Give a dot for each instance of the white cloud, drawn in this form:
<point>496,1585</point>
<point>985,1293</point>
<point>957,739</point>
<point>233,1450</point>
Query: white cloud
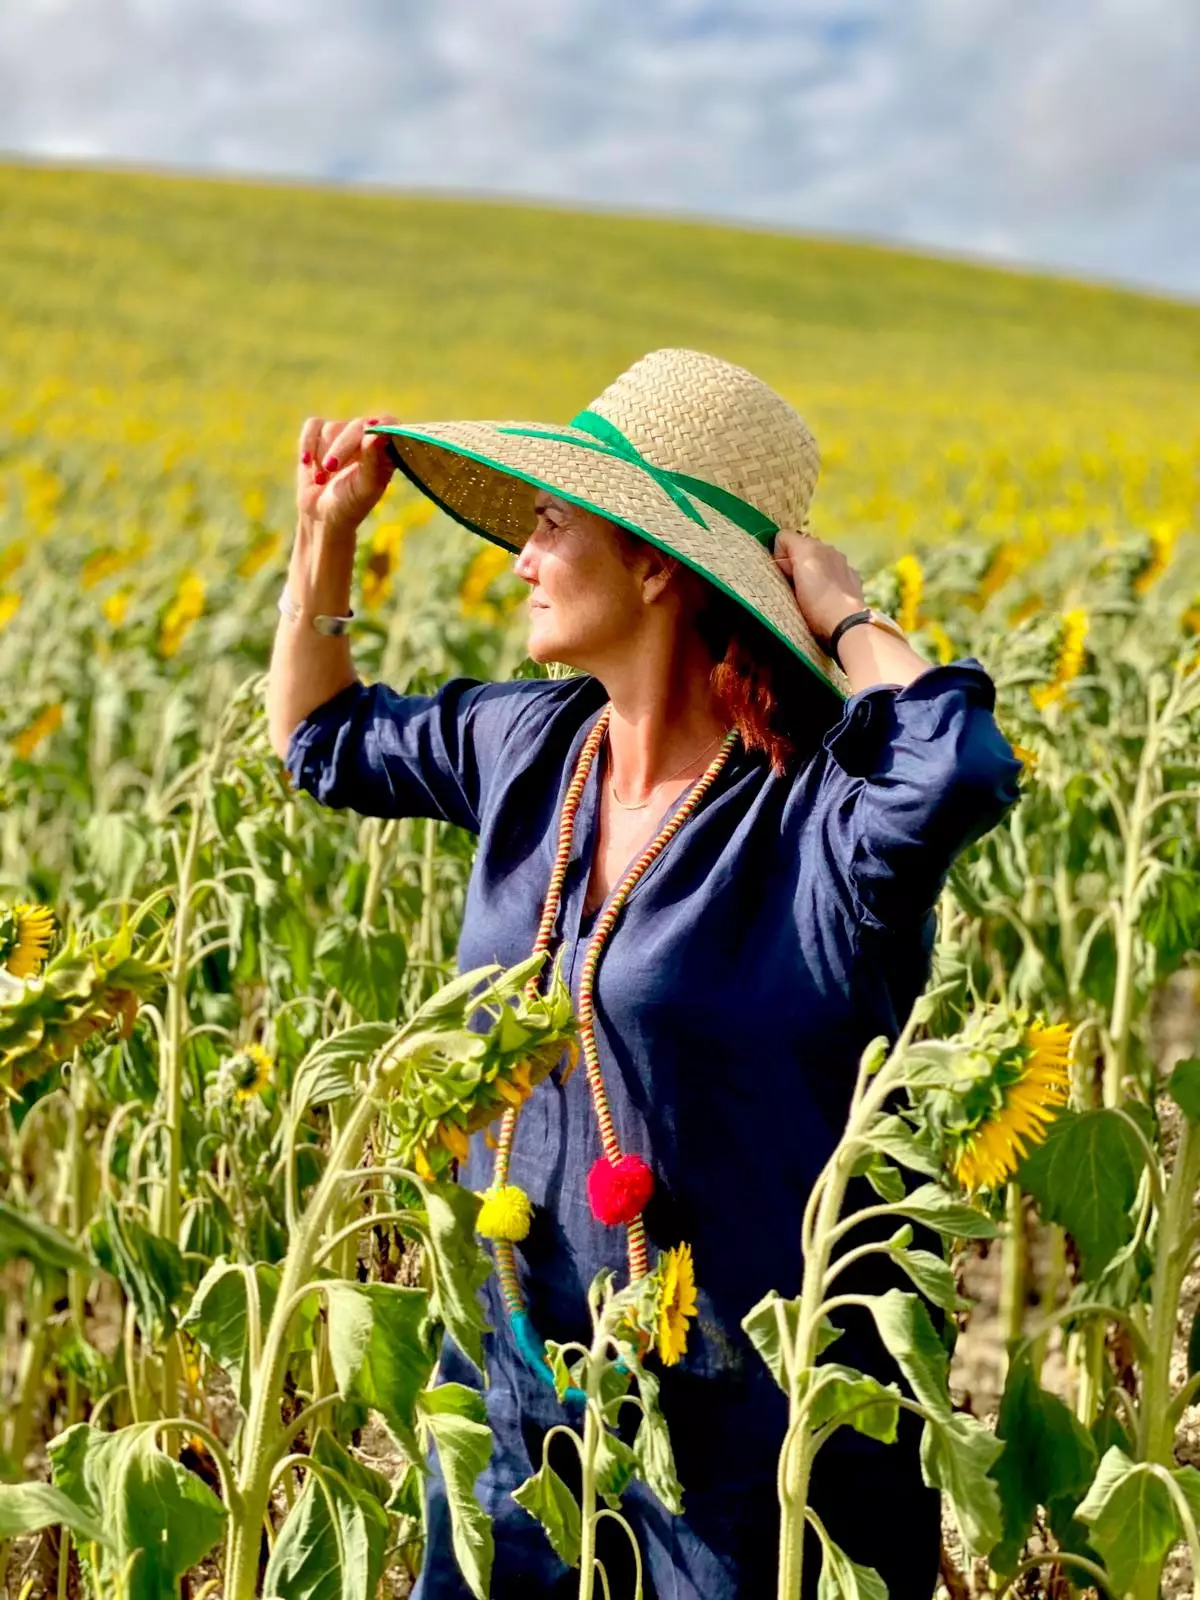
<point>1063,132</point>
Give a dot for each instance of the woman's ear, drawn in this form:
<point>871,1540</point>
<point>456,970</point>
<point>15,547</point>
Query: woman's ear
<point>660,575</point>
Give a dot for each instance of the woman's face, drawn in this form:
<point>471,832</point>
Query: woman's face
<point>586,602</point>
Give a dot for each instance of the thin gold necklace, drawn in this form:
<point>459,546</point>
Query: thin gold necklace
<point>642,804</point>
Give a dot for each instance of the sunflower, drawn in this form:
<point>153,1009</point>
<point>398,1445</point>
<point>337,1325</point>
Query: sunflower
<point>1070,660</point>
<point>942,642</point>
<point>1161,548</point>
<point>253,1070</point>
<point>27,741</point>
<point>912,585</point>
<point>491,562</point>
<point>187,605</point>
<point>1027,1089</point>
<point>25,934</point>
<point>677,1302</point>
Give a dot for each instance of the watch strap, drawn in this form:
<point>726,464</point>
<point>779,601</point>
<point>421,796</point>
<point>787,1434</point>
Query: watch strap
<point>868,614</point>
<point>830,645</point>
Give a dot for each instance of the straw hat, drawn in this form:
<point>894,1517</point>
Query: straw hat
<point>690,452</point>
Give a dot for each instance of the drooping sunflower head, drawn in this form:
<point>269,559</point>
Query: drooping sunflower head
<point>1071,657</point>
<point>25,933</point>
<point>1160,546</point>
<point>1009,1107</point>
<point>676,1280</point>
<point>252,1070</point>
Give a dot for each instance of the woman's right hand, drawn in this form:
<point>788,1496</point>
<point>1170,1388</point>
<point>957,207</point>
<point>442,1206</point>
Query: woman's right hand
<point>340,475</point>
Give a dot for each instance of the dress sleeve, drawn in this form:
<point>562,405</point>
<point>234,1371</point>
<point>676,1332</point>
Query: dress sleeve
<point>386,754</point>
<point>916,775</point>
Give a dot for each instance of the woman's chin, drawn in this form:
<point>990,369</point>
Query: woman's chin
<point>542,646</point>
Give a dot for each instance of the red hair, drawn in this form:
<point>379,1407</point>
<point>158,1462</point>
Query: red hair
<point>776,703</point>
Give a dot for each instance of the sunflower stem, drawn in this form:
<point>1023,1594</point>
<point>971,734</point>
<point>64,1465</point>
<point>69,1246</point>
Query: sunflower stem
<point>1014,1265</point>
<point>1117,1056</point>
<point>821,1233</point>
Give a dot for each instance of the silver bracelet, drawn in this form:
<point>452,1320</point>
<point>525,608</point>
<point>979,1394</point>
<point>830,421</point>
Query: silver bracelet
<point>323,623</point>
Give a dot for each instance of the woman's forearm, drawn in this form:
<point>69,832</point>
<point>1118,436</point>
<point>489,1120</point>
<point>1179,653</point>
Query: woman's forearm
<point>307,667</point>
<point>871,655</point>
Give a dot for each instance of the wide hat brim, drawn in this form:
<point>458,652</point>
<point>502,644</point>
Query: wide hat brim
<point>485,475</point>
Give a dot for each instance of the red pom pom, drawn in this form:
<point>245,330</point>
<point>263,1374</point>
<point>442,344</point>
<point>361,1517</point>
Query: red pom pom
<point>618,1191</point>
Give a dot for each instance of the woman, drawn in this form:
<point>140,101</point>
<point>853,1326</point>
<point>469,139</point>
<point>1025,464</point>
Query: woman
<point>772,850</point>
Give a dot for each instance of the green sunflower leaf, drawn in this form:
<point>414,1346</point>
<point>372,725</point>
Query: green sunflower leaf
<point>1132,1518</point>
<point>546,1497</point>
<point>457,1419</point>
<point>1085,1175</point>
<point>1048,1456</point>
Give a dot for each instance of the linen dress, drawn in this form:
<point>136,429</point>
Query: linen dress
<point>787,924</point>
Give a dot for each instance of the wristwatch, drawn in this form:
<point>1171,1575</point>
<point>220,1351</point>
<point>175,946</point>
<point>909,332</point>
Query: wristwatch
<point>879,618</point>
<point>323,623</point>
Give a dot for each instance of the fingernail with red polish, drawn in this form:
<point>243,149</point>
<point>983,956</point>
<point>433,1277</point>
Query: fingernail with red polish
<point>371,421</point>
<point>320,477</point>
<point>306,457</point>
<point>331,463</point>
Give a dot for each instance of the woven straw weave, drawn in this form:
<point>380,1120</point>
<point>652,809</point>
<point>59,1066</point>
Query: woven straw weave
<point>683,410</point>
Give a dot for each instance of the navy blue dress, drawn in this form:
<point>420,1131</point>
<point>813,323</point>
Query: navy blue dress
<point>788,923</point>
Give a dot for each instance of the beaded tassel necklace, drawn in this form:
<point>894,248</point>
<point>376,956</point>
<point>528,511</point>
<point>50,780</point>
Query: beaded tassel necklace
<point>619,1186</point>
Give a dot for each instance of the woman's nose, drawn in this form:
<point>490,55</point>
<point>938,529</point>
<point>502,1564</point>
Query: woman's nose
<point>525,565</point>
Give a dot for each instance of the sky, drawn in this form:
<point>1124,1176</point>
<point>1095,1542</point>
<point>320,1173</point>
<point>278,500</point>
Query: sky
<point>1055,133</point>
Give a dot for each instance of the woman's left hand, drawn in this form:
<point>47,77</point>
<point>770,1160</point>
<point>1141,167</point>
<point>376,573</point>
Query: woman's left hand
<point>827,587</point>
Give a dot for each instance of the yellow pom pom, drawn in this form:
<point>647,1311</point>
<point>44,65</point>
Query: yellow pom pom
<point>504,1214</point>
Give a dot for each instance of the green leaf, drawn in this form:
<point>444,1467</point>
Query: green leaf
<point>912,1341</point>
<point>652,1447</point>
<point>381,1350</point>
<point>843,1579</point>
<point>616,1464</point>
<point>453,1002</point>
<point>938,1210</point>
<point>217,1317</point>
<point>405,1498</point>
<point>546,1497</point>
<point>864,1403</point>
<point>884,1178</point>
<point>1188,1480</point>
<point>457,1419</point>
<point>169,1514</point>
<point>366,968</point>
<point>1085,1175</point>
<point>1048,1455</point>
<point>27,1237</point>
<point>762,1326</point>
<point>327,1071</point>
<point>149,1267</point>
<point>331,1546</point>
<point>147,1502</point>
<point>459,1264</point>
<point>893,1137</point>
<point>1184,1088</point>
<point>1131,1515</point>
<point>957,1453</point>
<point>29,1507</point>
<point>933,1276</point>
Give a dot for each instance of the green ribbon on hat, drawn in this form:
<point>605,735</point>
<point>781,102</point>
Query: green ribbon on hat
<point>680,486</point>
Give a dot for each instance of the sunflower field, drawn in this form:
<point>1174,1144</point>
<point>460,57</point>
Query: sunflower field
<point>238,1061</point>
